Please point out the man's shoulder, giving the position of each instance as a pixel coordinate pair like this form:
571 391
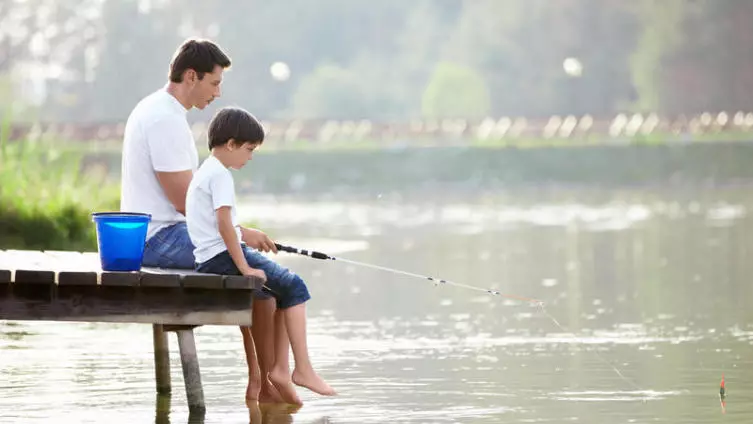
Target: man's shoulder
157 108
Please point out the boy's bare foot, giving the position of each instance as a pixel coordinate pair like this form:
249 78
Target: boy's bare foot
313 382
269 393
284 386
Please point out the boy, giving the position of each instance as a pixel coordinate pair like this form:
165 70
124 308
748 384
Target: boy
214 231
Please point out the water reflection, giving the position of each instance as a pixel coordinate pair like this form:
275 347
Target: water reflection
654 286
273 413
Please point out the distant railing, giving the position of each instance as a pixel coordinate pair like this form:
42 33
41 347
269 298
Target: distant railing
322 131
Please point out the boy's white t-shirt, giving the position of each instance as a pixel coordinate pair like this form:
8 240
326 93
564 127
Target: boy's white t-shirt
157 139
212 187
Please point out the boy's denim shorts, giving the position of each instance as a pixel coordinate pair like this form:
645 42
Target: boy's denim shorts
285 286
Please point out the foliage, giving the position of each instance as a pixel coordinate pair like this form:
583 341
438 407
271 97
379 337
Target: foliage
455 91
375 59
46 198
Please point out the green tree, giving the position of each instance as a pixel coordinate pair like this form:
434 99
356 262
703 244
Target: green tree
455 91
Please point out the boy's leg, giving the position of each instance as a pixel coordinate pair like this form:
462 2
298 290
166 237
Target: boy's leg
171 247
291 295
304 374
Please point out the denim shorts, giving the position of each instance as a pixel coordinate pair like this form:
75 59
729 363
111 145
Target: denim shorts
286 287
171 247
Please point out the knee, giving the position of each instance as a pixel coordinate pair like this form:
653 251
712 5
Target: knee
296 293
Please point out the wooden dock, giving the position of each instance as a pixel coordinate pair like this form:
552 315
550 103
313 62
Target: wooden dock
71 286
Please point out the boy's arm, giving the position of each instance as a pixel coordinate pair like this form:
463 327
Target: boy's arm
258 240
227 232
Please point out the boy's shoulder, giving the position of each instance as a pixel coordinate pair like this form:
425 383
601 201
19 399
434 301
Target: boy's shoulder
210 169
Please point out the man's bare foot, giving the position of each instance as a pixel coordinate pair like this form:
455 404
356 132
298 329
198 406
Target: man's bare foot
254 412
269 393
284 386
313 382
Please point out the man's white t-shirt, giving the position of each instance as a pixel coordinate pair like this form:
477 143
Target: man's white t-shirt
212 187
157 139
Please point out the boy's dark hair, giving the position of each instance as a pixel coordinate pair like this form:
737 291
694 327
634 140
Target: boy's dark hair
200 55
234 123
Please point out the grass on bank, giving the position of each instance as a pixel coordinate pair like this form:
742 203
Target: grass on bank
46 197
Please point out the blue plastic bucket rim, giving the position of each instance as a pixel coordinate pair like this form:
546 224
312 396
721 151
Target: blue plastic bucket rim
125 215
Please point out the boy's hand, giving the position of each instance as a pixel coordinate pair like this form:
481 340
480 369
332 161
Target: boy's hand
256 239
251 272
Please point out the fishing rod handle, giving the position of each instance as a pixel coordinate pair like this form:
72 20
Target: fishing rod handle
310 253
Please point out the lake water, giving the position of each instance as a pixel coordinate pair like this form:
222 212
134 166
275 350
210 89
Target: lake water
647 304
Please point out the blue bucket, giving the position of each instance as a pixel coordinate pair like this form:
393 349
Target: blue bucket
120 239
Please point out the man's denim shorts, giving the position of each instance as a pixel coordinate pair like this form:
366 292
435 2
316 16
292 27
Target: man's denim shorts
285 286
171 247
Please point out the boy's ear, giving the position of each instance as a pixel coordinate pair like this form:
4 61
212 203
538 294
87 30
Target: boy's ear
230 144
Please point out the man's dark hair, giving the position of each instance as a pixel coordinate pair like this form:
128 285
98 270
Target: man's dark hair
236 124
200 55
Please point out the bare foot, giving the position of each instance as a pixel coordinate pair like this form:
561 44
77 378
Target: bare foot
254 412
284 386
269 393
313 382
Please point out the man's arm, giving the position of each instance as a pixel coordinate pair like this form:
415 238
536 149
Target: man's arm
175 185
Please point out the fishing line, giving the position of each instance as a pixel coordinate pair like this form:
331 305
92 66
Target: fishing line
437 281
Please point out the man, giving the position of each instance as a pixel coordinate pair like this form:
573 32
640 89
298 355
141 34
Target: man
159 159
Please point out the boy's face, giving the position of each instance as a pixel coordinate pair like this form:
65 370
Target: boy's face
240 154
205 90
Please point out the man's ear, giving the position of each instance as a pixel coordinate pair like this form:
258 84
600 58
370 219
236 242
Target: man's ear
190 76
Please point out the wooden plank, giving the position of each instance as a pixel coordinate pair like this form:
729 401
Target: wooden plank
73 268
155 305
236 282
129 279
29 267
203 281
160 280
67 278
31 276
6 270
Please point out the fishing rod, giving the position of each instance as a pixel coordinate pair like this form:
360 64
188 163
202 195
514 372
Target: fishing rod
534 302
323 256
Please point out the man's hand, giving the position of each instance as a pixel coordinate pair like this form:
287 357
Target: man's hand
256 239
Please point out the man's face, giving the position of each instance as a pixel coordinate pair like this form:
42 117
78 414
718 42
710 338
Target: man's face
205 90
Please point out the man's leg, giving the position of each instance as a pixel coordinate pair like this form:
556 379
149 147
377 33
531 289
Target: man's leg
263 332
282 361
171 247
254 374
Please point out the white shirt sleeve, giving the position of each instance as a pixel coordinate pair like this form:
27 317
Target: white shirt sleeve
222 189
170 144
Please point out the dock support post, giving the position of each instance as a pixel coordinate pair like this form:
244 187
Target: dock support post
161 360
191 375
